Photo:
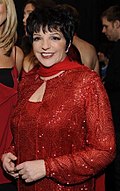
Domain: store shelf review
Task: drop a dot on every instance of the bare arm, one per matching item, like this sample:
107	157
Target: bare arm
19	58
88	53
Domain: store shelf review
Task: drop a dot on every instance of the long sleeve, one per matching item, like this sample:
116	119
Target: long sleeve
71	129
99	146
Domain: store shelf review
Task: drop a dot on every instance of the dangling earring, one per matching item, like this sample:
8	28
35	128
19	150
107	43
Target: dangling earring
68	47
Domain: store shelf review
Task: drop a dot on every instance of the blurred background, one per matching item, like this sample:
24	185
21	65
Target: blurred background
90	11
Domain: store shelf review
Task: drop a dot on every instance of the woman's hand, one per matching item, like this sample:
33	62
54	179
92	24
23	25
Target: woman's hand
8	160
31	170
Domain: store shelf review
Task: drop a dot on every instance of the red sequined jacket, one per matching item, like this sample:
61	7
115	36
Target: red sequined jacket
71	129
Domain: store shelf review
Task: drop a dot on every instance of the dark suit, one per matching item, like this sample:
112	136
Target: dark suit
112	85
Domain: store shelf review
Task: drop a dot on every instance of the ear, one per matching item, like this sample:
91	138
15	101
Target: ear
117	24
68	47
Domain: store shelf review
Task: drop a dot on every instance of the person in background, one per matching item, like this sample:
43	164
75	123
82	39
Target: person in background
88	53
31	64
11	58
104	52
85	52
111	28
103	62
62	126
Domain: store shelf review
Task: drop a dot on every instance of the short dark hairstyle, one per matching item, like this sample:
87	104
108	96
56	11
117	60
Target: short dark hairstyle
73	11
26	44
112	13
54	18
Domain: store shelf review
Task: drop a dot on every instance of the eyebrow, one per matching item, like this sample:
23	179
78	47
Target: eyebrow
51	32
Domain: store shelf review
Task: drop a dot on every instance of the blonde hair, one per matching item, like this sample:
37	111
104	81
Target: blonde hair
8	34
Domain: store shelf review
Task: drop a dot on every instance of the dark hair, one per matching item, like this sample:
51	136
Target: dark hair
52	18
73	11
26	43
40	3
112	13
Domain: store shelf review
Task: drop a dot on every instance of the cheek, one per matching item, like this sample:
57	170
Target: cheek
61	54
110	29
2	9
36	50
63	51
35	46
3	17
61	47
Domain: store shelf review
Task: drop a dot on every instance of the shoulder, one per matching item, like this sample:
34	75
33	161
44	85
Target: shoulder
29	62
87	80
84	75
18	56
87	74
84	45
88	53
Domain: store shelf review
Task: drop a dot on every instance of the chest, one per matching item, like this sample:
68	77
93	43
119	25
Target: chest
61	110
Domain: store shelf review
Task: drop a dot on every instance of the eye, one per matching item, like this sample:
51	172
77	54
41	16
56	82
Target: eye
55	38
36	38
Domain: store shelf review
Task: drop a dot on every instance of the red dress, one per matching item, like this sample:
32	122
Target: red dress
71	129
8	100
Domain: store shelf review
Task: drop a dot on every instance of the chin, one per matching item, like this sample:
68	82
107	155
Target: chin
47	65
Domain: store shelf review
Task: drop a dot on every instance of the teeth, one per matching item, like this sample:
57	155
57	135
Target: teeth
46	54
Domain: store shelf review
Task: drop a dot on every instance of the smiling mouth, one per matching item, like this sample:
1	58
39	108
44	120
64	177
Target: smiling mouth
47	55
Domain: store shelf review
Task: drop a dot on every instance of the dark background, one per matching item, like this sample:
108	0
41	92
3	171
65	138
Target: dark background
90	11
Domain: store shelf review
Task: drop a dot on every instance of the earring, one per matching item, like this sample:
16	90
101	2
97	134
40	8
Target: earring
68	47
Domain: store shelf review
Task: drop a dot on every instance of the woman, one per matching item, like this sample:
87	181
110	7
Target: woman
62	125
10	65
30	63
80	50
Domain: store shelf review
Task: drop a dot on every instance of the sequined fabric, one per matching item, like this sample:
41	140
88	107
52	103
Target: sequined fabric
71	129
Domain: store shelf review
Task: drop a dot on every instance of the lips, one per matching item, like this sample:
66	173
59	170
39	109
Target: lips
47	55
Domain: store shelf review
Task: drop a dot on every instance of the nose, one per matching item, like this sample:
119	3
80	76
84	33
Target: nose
24	19
45	44
103	30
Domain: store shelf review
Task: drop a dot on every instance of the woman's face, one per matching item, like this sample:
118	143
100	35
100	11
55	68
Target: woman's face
3	13
27	10
49	47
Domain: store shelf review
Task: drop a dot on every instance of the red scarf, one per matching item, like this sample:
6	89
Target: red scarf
66	64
